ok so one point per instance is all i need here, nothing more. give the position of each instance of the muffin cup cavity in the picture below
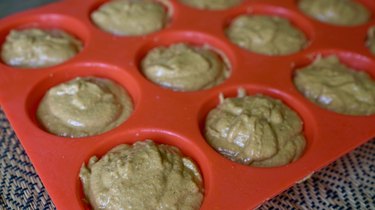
(351, 59)
(297, 20)
(100, 70)
(131, 136)
(193, 39)
(307, 119)
(328, 17)
(339, 103)
(165, 3)
(115, 29)
(70, 25)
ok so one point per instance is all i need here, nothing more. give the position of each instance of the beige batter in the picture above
(183, 67)
(336, 87)
(143, 176)
(269, 35)
(336, 12)
(84, 107)
(255, 130)
(33, 48)
(212, 4)
(370, 42)
(130, 17)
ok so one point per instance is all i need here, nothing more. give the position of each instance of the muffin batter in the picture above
(371, 40)
(130, 17)
(255, 130)
(336, 12)
(183, 67)
(84, 107)
(212, 4)
(142, 176)
(33, 48)
(269, 35)
(336, 87)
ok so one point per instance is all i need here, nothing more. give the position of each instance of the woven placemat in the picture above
(348, 183)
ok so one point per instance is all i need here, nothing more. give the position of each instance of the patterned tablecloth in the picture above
(348, 183)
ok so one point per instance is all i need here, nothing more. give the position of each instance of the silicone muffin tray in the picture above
(178, 118)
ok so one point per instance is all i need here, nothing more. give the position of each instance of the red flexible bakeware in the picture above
(177, 118)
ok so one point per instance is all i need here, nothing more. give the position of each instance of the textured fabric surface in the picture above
(348, 183)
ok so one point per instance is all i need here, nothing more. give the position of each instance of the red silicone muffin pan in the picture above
(177, 118)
